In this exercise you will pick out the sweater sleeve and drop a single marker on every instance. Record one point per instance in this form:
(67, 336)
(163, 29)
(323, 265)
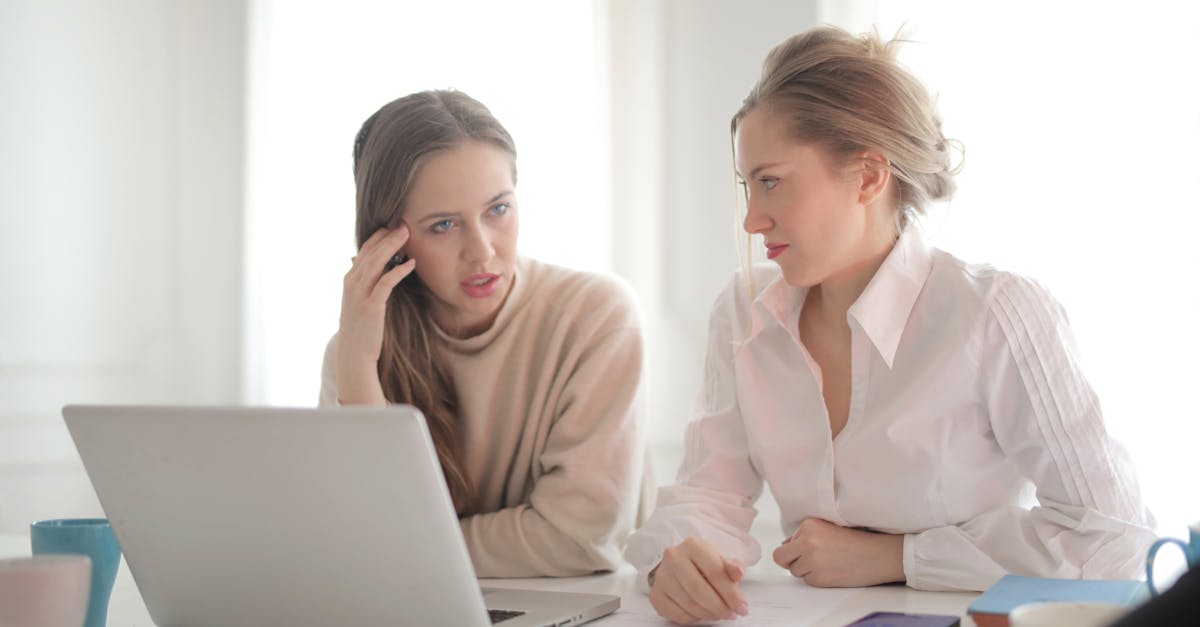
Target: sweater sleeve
(329, 389)
(713, 495)
(585, 502)
(1089, 521)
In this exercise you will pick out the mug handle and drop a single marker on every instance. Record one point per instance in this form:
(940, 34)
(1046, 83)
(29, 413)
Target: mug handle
(1150, 561)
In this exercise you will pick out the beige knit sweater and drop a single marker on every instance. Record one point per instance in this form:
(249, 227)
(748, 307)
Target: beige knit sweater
(552, 407)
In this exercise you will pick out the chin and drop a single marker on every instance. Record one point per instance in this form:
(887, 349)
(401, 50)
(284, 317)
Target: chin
(799, 279)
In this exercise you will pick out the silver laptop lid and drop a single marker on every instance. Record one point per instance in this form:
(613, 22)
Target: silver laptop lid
(270, 516)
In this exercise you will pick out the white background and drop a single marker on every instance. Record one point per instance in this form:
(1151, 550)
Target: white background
(176, 205)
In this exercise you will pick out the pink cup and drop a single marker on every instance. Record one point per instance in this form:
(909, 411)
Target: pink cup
(44, 590)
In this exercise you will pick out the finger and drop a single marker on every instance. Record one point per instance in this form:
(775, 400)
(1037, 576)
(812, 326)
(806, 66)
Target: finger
(671, 591)
(675, 590)
(800, 567)
(359, 260)
(669, 609)
(700, 591)
(390, 279)
(375, 237)
(737, 571)
(370, 249)
(785, 554)
(711, 566)
(734, 570)
(378, 249)
(714, 571)
(778, 556)
(388, 245)
(371, 261)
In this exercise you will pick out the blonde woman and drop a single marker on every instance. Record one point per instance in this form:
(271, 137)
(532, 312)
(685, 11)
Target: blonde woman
(530, 375)
(917, 418)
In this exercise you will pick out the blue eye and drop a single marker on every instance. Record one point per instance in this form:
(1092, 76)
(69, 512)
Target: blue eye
(768, 182)
(442, 226)
(499, 210)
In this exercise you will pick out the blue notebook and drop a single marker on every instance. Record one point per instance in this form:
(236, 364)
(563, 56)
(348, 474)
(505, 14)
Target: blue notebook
(992, 607)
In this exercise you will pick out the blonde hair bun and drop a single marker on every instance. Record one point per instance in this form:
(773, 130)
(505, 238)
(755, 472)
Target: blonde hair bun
(849, 93)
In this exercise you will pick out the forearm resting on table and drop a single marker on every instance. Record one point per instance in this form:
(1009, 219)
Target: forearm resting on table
(521, 542)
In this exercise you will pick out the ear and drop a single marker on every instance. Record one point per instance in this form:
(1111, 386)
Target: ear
(874, 176)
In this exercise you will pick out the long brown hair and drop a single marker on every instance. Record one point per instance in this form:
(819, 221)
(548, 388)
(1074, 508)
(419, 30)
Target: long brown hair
(389, 150)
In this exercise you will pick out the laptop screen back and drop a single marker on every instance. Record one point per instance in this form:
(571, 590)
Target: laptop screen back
(271, 516)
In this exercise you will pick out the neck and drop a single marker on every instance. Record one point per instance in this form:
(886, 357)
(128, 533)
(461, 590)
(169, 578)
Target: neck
(832, 298)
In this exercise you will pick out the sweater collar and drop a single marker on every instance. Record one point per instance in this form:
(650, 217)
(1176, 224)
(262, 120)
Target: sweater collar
(508, 311)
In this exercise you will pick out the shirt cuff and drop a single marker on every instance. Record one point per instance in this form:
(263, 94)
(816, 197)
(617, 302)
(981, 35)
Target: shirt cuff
(643, 576)
(910, 558)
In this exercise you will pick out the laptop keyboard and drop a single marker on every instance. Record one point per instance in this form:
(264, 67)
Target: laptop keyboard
(502, 615)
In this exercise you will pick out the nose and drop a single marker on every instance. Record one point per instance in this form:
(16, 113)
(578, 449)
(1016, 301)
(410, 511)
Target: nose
(757, 221)
(478, 245)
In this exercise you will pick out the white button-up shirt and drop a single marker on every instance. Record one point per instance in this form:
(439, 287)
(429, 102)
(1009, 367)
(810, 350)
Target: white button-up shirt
(967, 403)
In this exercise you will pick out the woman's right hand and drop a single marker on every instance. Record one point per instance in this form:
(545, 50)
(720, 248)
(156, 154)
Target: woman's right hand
(365, 292)
(694, 583)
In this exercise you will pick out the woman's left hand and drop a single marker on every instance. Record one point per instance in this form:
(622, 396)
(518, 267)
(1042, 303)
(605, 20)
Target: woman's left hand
(830, 556)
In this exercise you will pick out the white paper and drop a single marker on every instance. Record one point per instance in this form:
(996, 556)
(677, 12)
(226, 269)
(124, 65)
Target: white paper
(771, 603)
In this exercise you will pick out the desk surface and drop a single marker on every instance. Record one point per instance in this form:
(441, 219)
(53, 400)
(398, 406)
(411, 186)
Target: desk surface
(775, 597)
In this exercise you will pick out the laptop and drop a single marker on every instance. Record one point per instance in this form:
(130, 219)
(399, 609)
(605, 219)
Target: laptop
(280, 516)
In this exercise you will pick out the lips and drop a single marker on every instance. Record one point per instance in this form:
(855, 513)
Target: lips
(481, 285)
(775, 250)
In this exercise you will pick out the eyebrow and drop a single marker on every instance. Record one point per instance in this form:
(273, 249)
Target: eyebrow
(455, 214)
(760, 168)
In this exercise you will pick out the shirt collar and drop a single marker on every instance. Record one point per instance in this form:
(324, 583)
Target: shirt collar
(883, 308)
(781, 301)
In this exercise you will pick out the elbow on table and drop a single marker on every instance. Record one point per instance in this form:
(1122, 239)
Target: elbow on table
(599, 555)
(1122, 558)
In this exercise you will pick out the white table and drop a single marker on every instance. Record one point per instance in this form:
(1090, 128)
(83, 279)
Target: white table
(775, 597)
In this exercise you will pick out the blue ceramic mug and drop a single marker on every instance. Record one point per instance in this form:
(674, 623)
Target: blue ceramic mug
(92, 537)
(1191, 552)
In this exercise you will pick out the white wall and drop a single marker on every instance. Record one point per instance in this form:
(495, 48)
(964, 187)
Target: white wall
(677, 71)
(161, 197)
(121, 215)
(307, 102)
(120, 224)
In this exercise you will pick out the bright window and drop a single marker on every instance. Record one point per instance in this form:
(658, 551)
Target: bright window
(318, 69)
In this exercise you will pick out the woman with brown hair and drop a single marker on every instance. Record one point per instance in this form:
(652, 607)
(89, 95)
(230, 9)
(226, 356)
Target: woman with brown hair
(529, 375)
(917, 418)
